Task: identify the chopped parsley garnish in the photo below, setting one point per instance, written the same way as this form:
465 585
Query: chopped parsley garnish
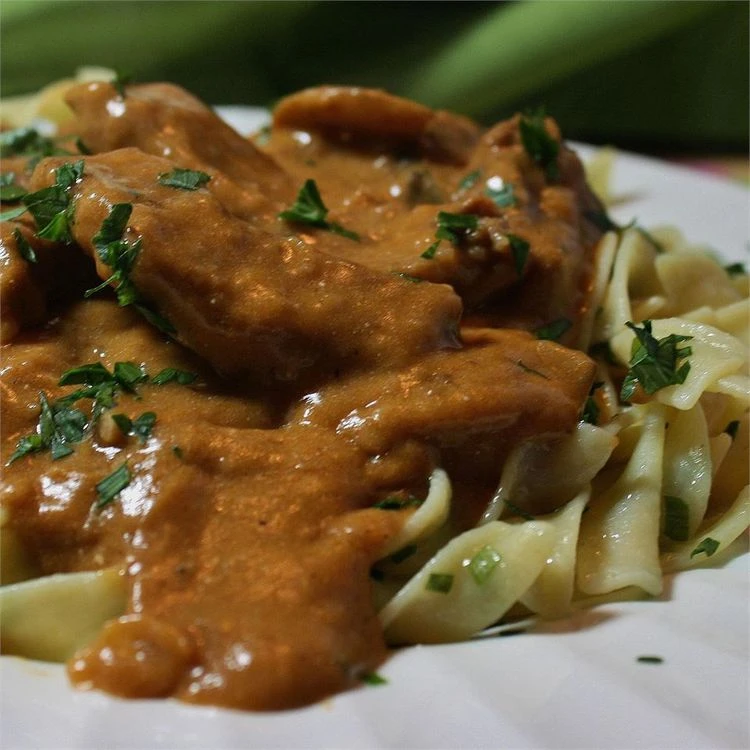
173 375
451 227
732 427
13 213
394 502
128 375
539 144
707 547
125 375
408 277
654 363
553 331
502 197
10 190
91 374
178 452
52 207
309 209
30 143
440 582
519 250
120 81
124 422
140 427
590 411
483 564
183 179
117 253
372 678
676 518
82 147
111 486
650 659
736 269
59 425
143 425
470 180
120 256
24 248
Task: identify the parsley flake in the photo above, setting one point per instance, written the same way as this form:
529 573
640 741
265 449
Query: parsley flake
59 425
10 190
373 679
120 81
408 277
120 255
91 374
30 143
453 227
24 247
52 207
393 502
483 564
590 411
128 375
676 519
173 375
309 209
13 213
707 547
111 486
183 179
654 363
519 250
502 197
539 144
736 269
650 659
554 330
140 427
470 180
441 583
732 427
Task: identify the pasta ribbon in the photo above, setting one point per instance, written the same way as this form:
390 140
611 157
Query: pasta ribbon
464 603
50 618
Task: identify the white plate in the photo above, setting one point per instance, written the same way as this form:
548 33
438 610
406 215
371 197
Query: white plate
572 684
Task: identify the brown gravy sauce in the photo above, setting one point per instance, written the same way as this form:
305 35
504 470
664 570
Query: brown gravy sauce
332 373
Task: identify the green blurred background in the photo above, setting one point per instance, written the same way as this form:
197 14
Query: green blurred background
656 76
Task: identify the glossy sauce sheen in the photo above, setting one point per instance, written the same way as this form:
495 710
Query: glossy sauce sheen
332 373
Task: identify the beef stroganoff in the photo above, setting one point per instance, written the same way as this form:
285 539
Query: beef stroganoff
373 377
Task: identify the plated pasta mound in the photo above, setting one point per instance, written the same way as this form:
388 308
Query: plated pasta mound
375 376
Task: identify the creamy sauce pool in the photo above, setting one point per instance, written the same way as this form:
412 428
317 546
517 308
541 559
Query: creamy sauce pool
332 373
